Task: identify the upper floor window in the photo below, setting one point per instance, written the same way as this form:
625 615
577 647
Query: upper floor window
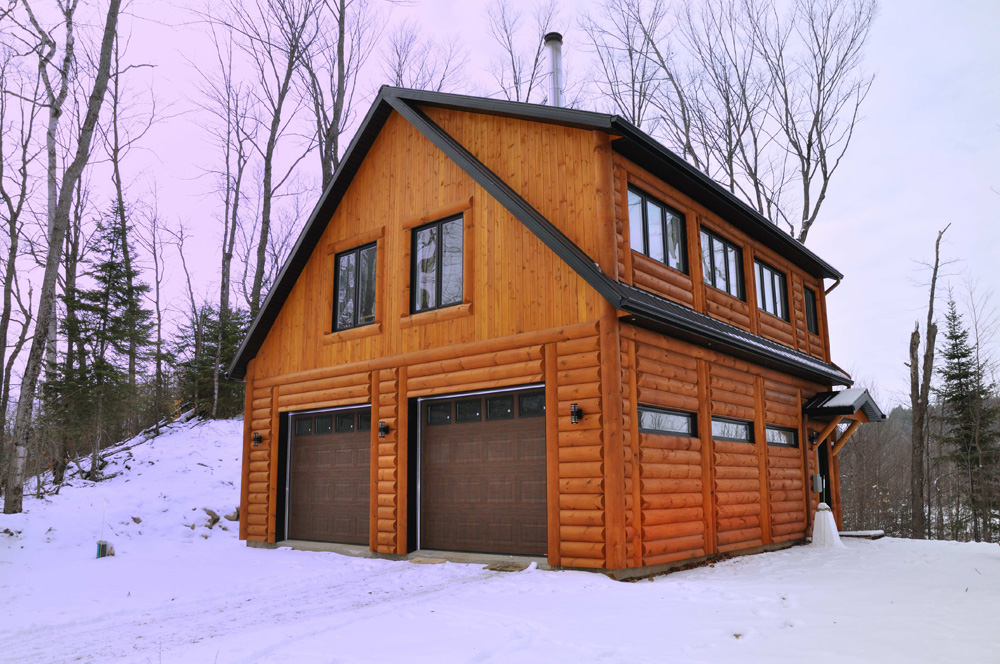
354 284
722 263
656 230
739 431
812 320
771 290
436 277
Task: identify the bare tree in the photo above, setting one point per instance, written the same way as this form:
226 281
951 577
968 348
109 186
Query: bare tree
60 221
347 32
412 61
518 69
920 386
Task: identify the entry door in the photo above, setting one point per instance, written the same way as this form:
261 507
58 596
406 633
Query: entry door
826 495
482 473
328 476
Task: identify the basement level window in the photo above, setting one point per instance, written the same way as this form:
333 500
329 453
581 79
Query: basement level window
771 290
781 436
722 264
354 286
669 422
739 431
436 272
812 320
656 230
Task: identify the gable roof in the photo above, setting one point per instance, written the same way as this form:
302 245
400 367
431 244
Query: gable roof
647 309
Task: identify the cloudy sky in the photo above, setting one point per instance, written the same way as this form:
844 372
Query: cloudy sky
926 154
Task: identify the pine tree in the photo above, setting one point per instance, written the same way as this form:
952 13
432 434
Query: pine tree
971 419
197 368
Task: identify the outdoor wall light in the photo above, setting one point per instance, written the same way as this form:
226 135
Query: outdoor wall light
257 439
574 413
813 436
383 429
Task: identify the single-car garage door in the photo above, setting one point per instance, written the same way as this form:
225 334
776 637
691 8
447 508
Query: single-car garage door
328 480
482 473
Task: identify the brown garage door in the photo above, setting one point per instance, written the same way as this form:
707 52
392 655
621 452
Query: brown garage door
328 476
482 480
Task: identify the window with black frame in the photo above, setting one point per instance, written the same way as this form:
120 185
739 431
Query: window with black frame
781 436
656 230
740 431
771 295
667 422
437 265
812 319
722 264
354 286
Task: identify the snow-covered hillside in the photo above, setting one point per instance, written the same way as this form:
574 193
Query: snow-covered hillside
181 591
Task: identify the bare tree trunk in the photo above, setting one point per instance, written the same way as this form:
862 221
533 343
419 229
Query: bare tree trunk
920 385
33 367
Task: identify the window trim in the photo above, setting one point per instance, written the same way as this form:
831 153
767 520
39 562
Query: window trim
357 287
758 267
812 322
775 427
692 417
715 237
646 197
732 420
439 267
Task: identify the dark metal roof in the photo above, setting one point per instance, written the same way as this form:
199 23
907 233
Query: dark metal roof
844 402
634 144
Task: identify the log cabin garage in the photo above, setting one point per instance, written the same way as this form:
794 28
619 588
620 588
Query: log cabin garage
519 329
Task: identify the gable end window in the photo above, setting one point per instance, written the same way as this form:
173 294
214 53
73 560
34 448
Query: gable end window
722 264
812 320
437 259
656 230
771 290
354 286
739 431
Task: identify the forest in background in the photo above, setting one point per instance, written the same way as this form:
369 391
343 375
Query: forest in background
761 95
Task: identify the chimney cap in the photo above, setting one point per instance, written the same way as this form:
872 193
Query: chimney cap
553 36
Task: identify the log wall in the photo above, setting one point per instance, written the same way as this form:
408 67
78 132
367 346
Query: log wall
689 289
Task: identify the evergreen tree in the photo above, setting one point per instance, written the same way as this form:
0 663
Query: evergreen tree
197 345
87 400
971 419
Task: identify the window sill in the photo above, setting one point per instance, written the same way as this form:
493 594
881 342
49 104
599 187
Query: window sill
777 318
718 290
437 315
352 333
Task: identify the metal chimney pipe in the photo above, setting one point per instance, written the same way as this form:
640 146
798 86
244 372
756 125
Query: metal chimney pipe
553 41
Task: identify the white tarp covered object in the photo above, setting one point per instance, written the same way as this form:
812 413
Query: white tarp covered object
825 528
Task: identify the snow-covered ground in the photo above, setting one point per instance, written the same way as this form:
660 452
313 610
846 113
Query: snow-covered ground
179 591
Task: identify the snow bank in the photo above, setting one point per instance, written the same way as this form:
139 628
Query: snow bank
180 594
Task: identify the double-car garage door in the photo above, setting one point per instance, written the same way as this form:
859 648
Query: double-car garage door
480 480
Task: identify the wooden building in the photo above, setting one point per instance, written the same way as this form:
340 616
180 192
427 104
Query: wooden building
512 328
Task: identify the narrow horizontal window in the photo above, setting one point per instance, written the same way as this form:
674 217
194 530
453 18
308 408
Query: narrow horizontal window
670 422
781 436
722 264
365 421
812 320
469 410
771 290
656 230
739 431
437 265
500 407
354 287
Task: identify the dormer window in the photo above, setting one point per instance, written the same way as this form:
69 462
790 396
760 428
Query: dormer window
771 290
722 263
656 230
354 287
